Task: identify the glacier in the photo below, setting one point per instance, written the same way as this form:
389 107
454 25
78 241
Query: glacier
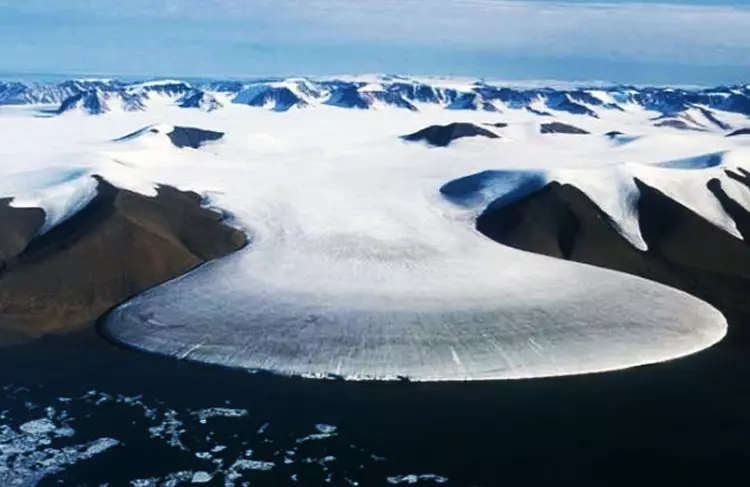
360 266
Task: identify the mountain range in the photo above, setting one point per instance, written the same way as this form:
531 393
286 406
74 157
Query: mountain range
681 108
380 228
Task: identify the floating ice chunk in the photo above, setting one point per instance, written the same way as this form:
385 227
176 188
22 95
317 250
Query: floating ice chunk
314 437
32 455
99 446
38 427
257 465
413 479
66 432
201 478
151 482
205 414
170 429
326 429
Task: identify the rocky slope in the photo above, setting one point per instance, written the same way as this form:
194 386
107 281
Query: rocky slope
443 135
119 245
684 250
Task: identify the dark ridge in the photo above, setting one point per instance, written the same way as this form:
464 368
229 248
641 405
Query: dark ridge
394 99
283 99
734 209
614 106
471 101
541 113
742 177
199 99
685 251
677 124
349 96
443 135
561 128
119 245
710 116
613 134
92 101
496 124
180 137
561 101
192 137
745 131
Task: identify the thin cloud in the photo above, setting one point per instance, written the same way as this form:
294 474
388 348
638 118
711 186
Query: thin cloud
708 35
649 32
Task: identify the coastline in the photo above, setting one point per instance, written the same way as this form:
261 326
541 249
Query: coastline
119 245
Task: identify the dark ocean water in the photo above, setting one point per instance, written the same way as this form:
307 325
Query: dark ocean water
78 411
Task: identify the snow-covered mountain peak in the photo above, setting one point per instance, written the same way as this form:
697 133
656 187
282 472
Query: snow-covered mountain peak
696 109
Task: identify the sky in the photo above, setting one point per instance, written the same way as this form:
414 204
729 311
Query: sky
669 42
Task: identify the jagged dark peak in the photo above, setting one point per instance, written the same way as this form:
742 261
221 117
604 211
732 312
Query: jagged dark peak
513 98
418 92
331 85
669 100
15 93
561 101
180 137
394 77
561 128
584 96
443 135
450 95
350 96
305 87
279 96
18 93
471 101
199 99
93 102
223 86
173 88
193 137
132 102
394 99
80 85
735 102
279 99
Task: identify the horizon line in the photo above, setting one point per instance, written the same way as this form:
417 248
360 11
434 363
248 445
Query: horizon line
531 82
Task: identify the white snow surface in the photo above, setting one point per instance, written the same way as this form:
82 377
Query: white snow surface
359 267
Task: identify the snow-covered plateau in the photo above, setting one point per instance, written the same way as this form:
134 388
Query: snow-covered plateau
364 261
